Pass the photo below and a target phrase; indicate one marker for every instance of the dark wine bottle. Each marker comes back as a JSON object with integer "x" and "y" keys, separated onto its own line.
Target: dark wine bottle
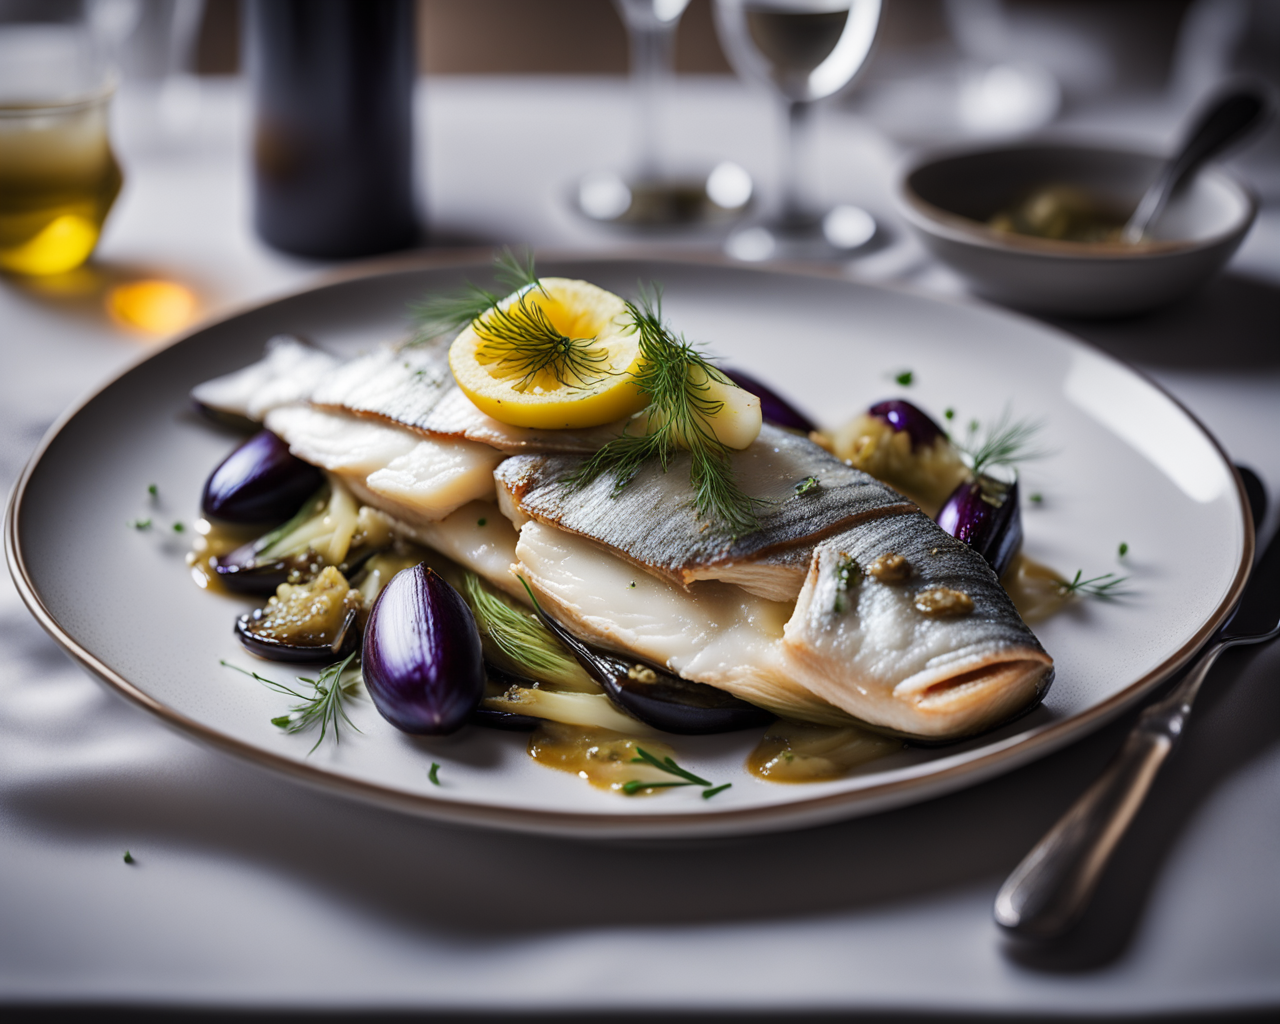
{"x": 332, "y": 87}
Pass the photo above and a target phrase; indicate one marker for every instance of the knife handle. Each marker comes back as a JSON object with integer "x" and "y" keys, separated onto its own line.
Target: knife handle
{"x": 1048, "y": 892}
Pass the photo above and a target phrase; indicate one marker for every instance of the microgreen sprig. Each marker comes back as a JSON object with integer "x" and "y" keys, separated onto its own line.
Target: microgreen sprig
{"x": 669, "y": 766}
{"x": 1006, "y": 443}
{"x": 322, "y": 706}
{"x": 676, "y": 377}
{"x": 1107, "y": 585}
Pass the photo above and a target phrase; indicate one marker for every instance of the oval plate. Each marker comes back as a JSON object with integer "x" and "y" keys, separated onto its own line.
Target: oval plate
{"x": 1126, "y": 463}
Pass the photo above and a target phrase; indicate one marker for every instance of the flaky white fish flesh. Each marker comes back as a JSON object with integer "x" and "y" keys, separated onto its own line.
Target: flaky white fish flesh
{"x": 794, "y": 617}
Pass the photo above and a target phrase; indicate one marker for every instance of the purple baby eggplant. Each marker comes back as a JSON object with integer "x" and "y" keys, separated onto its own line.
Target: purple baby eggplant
{"x": 259, "y": 482}
{"x": 422, "y": 661}
{"x": 904, "y": 416}
{"x": 985, "y": 515}
{"x": 773, "y": 407}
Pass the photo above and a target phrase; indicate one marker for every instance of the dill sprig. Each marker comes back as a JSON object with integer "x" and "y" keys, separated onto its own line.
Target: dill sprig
{"x": 677, "y": 379}
{"x": 669, "y": 766}
{"x": 443, "y": 315}
{"x": 322, "y": 706}
{"x": 1006, "y": 443}
{"x": 521, "y": 339}
{"x": 1107, "y": 585}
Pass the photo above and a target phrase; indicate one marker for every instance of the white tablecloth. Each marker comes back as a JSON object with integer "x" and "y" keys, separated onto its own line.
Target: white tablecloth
{"x": 249, "y": 890}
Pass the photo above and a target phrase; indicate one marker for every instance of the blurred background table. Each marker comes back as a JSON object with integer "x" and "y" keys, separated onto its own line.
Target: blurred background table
{"x": 251, "y": 891}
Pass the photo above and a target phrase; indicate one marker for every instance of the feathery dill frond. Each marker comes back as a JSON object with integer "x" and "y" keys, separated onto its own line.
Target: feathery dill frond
{"x": 1007, "y": 443}
{"x": 443, "y": 315}
{"x": 677, "y": 379}
{"x": 521, "y": 339}
{"x": 1105, "y": 586}
{"x": 323, "y": 706}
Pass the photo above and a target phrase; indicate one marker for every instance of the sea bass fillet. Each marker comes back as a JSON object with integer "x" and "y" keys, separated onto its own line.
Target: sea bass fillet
{"x": 921, "y": 627}
{"x": 805, "y": 494}
{"x": 847, "y": 602}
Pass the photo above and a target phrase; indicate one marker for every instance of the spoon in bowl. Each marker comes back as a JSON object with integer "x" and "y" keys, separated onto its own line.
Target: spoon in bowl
{"x": 1229, "y": 118}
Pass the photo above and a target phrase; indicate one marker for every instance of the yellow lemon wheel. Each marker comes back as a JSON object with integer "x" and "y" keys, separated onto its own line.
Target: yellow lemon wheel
{"x": 557, "y": 355}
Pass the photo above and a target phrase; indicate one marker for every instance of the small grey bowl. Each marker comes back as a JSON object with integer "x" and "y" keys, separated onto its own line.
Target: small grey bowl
{"x": 948, "y": 198}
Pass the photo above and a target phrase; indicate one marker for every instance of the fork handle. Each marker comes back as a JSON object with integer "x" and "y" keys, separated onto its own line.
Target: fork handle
{"x": 1049, "y": 890}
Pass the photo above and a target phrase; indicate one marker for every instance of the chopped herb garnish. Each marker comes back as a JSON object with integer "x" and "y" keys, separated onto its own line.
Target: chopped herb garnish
{"x": 905, "y": 378}
{"x": 949, "y": 414}
{"x": 1106, "y": 586}
{"x": 139, "y": 524}
{"x": 482, "y": 522}
{"x": 152, "y": 490}
{"x": 707, "y": 794}
{"x": 671, "y": 768}
{"x": 1036, "y": 498}
{"x": 676, "y": 378}
{"x": 807, "y": 485}
{"x": 323, "y": 705}
{"x": 631, "y": 585}
{"x": 667, "y": 765}
{"x": 434, "y": 774}
{"x": 128, "y": 858}
{"x": 1124, "y": 549}
{"x": 178, "y": 527}
{"x": 1005, "y": 444}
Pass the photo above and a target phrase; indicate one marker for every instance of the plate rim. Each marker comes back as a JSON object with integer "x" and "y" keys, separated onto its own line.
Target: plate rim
{"x": 811, "y": 811}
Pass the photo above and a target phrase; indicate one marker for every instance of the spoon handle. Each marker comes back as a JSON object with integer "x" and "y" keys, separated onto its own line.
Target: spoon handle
{"x": 1049, "y": 890}
{"x": 1221, "y": 124}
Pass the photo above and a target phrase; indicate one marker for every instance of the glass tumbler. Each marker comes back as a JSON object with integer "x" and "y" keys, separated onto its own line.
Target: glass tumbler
{"x": 58, "y": 174}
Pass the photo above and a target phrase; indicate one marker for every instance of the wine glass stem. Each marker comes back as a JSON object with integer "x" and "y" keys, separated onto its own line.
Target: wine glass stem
{"x": 652, "y": 68}
{"x": 795, "y": 209}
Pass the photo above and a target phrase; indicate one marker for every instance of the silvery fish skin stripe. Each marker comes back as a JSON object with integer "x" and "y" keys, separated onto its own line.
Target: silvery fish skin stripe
{"x": 805, "y": 494}
{"x": 413, "y": 387}
{"x": 865, "y": 645}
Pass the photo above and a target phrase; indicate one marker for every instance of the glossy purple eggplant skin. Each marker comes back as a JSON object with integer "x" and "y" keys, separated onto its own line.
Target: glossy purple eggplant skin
{"x": 773, "y": 407}
{"x": 992, "y": 530}
{"x": 259, "y": 482}
{"x": 658, "y": 698}
{"x": 421, "y": 660}
{"x": 902, "y": 415}
{"x": 277, "y": 650}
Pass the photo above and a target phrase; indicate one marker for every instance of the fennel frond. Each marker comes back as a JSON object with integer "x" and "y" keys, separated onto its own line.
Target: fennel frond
{"x": 676, "y": 378}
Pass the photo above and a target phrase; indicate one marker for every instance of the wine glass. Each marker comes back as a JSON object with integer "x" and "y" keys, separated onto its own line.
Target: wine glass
{"x": 805, "y": 50}
{"x": 649, "y": 195}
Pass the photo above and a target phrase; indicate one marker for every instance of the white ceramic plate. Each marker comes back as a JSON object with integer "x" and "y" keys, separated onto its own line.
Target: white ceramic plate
{"x": 1128, "y": 464}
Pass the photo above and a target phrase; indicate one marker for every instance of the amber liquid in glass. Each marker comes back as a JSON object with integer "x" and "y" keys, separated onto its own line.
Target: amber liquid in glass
{"x": 58, "y": 179}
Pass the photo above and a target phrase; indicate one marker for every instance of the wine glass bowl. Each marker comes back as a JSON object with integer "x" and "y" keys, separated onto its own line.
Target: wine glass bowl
{"x": 805, "y": 51}
{"x": 648, "y": 195}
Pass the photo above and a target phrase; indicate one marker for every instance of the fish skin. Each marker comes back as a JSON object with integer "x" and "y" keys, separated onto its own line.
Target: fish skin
{"x": 887, "y": 663}
{"x": 287, "y": 372}
{"x": 414, "y": 388}
{"x": 652, "y": 521}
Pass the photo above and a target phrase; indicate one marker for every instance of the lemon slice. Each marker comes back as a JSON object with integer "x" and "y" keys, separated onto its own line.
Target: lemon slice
{"x": 559, "y": 354}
